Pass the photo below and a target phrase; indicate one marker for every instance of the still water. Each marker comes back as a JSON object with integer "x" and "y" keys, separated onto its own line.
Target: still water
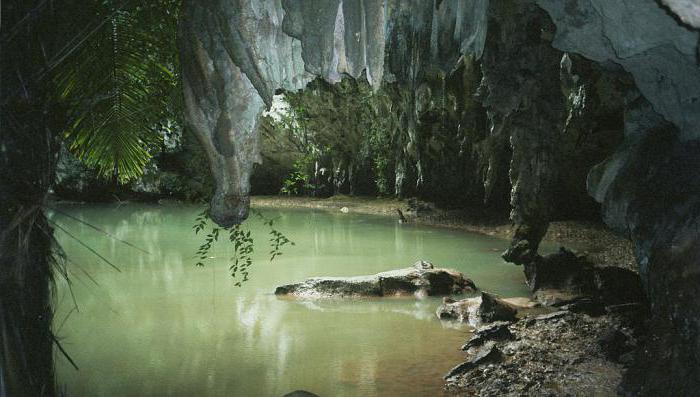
{"x": 163, "y": 327}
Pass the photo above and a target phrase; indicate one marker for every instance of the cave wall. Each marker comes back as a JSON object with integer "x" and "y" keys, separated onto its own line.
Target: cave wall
{"x": 562, "y": 83}
{"x": 649, "y": 189}
{"x": 236, "y": 54}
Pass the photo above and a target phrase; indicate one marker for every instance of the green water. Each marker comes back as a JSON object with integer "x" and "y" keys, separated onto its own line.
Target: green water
{"x": 163, "y": 327}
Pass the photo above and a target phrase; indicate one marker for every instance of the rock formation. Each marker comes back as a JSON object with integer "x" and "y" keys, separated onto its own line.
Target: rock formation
{"x": 422, "y": 279}
{"x": 484, "y": 308}
{"x": 548, "y": 68}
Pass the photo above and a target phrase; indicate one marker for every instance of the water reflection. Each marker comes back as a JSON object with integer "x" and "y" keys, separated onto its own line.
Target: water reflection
{"x": 165, "y": 327}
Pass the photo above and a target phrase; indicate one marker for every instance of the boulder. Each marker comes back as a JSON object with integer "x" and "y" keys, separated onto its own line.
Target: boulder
{"x": 563, "y": 270}
{"x": 617, "y": 286}
{"x": 567, "y": 279}
{"x": 485, "y": 308}
{"x": 421, "y": 279}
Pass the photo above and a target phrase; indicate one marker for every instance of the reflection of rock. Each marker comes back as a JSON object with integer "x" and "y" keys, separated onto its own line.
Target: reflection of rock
{"x": 421, "y": 279}
{"x": 485, "y": 308}
{"x": 422, "y": 310}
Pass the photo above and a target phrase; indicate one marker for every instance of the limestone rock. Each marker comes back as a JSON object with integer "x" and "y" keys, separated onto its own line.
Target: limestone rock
{"x": 646, "y": 41}
{"x": 419, "y": 280}
{"x": 687, "y": 10}
{"x": 485, "y": 308}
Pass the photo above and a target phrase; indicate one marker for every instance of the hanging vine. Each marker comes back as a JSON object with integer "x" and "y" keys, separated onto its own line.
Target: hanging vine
{"x": 241, "y": 241}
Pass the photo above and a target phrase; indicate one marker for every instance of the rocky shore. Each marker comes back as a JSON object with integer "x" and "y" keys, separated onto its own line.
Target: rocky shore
{"x": 560, "y": 353}
{"x": 577, "y": 334}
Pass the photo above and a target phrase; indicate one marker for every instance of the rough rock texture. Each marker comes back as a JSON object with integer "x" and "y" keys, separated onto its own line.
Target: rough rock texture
{"x": 649, "y": 188}
{"x": 554, "y": 354}
{"x": 422, "y": 279}
{"x": 236, "y": 54}
{"x": 485, "y": 308}
{"x": 498, "y": 330}
{"x": 564, "y": 278}
{"x": 645, "y": 40}
{"x": 526, "y": 104}
{"x": 687, "y": 10}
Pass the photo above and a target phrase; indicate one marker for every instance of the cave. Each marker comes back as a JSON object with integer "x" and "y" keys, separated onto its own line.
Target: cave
{"x": 534, "y": 160}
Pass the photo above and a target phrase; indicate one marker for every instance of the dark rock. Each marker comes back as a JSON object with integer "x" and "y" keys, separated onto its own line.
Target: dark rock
{"x": 555, "y": 354}
{"x": 488, "y": 353}
{"x": 592, "y": 307}
{"x": 567, "y": 279}
{"x": 493, "y": 309}
{"x": 421, "y": 279}
{"x": 496, "y": 331}
{"x": 616, "y": 285}
{"x": 556, "y": 297}
{"x": 626, "y": 308}
{"x": 563, "y": 270}
{"x": 614, "y": 344}
{"x": 300, "y": 393}
{"x": 551, "y": 316}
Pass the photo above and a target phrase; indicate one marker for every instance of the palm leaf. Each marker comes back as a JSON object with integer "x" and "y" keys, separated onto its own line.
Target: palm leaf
{"x": 117, "y": 87}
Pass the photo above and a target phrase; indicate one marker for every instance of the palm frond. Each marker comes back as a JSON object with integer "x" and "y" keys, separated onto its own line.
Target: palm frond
{"x": 117, "y": 87}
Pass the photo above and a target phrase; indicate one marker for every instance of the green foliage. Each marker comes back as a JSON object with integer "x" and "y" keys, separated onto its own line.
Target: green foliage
{"x": 120, "y": 85}
{"x": 299, "y": 180}
{"x": 345, "y": 128}
{"x": 241, "y": 243}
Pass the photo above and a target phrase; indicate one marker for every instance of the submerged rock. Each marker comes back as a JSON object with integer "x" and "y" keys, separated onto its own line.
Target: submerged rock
{"x": 300, "y": 393}
{"x": 485, "y": 308}
{"x": 421, "y": 279}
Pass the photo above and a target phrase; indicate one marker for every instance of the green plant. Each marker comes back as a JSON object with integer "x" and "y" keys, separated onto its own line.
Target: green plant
{"x": 119, "y": 85}
{"x": 295, "y": 183}
{"x": 241, "y": 242}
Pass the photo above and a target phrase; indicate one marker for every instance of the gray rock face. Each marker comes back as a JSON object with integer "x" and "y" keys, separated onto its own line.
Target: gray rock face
{"x": 422, "y": 279}
{"x": 649, "y": 189}
{"x": 236, "y": 53}
{"x": 646, "y": 41}
{"x": 687, "y": 10}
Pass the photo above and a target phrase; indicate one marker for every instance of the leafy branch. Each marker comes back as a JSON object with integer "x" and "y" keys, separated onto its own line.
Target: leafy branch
{"x": 242, "y": 244}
